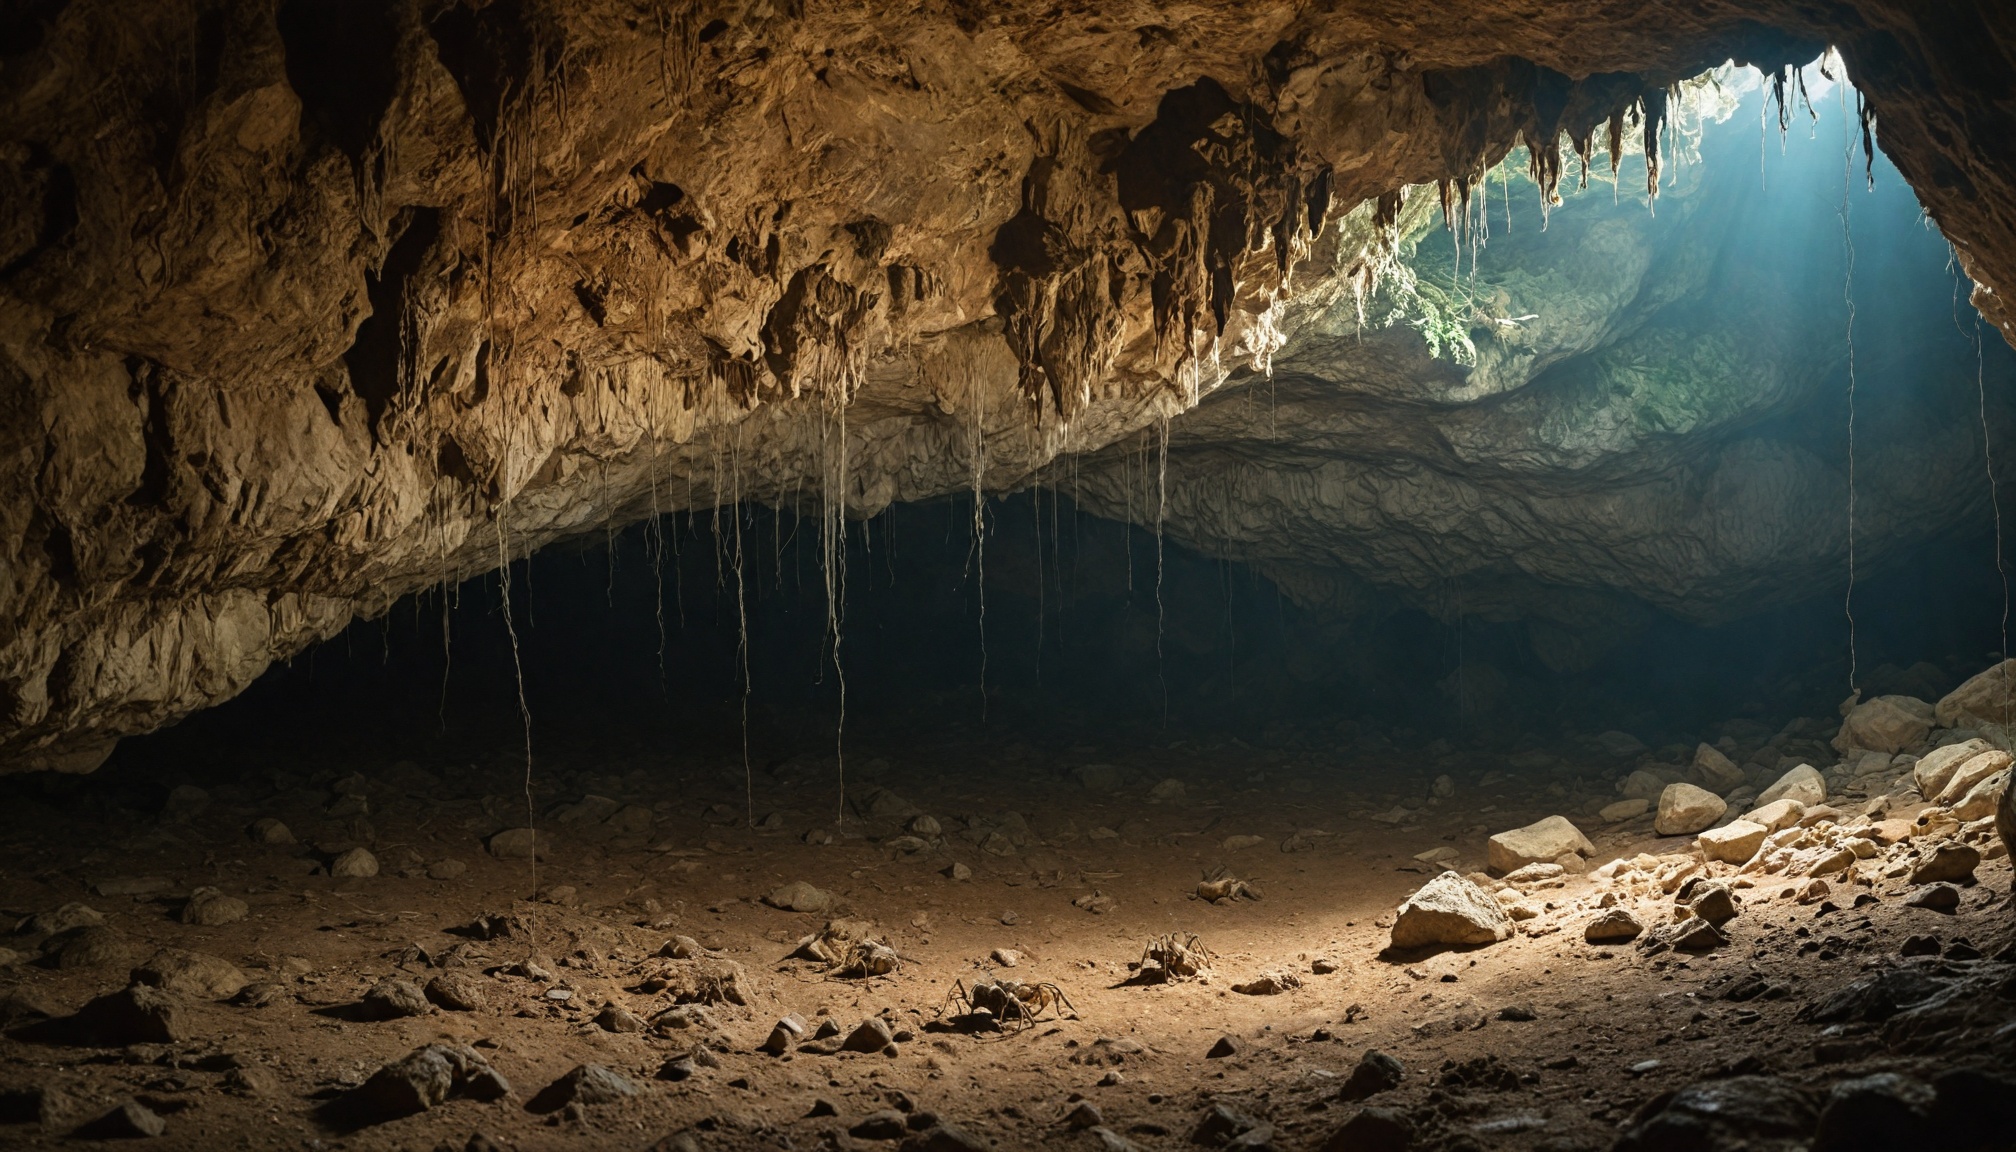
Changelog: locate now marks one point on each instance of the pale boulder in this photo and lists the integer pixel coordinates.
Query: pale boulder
(1777, 814)
(1885, 724)
(1685, 810)
(1540, 842)
(1987, 698)
(1733, 843)
(1641, 785)
(1982, 800)
(1450, 910)
(1715, 771)
(1803, 784)
(1936, 767)
(1624, 810)
(1972, 772)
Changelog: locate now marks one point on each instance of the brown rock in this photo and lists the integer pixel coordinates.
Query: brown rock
(1949, 862)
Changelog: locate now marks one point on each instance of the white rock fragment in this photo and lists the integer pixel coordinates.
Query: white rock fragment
(1450, 910)
(1540, 842)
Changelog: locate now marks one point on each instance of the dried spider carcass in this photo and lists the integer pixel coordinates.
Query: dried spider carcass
(997, 1003)
(869, 958)
(1220, 885)
(707, 982)
(832, 944)
(1168, 959)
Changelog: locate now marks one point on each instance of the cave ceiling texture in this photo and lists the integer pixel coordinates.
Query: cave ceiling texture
(308, 305)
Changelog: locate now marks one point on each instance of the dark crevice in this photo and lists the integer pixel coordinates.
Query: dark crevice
(379, 359)
(342, 62)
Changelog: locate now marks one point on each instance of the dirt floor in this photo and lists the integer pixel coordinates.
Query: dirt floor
(1541, 1041)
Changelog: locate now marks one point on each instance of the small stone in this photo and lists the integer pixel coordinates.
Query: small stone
(1936, 897)
(185, 803)
(925, 826)
(1085, 1115)
(1225, 1046)
(1373, 1130)
(393, 998)
(1714, 903)
(356, 864)
(871, 1035)
(194, 974)
(1242, 842)
(884, 1125)
(1812, 891)
(1099, 777)
(783, 1035)
(958, 872)
(1168, 792)
(211, 908)
(798, 896)
(630, 820)
(1948, 863)
(458, 991)
(1539, 842)
(1322, 966)
(1685, 809)
(69, 916)
(422, 1079)
(1376, 1072)
(97, 946)
(586, 1084)
(1221, 1125)
(1802, 783)
(267, 830)
(1733, 843)
(1695, 935)
(1450, 910)
(519, 844)
(1006, 957)
(1614, 926)
(137, 1014)
(616, 1018)
(446, 869)
(130, 1120)
(1624, 810)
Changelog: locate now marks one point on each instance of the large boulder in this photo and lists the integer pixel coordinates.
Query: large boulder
(1450, 910)
(1542, 842)
(1973, 771)
(1986, 698)
(1885, 724)
(1983, 799)
(1714, 771)
(1685, 810)
(1781, 813)
(1936, 767)
(1803, 784)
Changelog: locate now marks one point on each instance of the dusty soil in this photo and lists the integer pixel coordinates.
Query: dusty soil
(1584, 1035)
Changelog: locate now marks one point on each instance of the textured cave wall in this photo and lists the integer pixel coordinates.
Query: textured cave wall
(1646, 413)
(307, 304)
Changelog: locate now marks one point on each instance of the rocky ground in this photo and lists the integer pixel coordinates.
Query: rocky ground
(1383, 942)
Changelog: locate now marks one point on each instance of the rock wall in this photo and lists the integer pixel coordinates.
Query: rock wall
(311, 303)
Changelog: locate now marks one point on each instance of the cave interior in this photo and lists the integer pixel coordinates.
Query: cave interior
(747, 574)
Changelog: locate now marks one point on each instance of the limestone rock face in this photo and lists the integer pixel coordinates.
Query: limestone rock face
(1450, 910)
(1541, 842)
(314, 305)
